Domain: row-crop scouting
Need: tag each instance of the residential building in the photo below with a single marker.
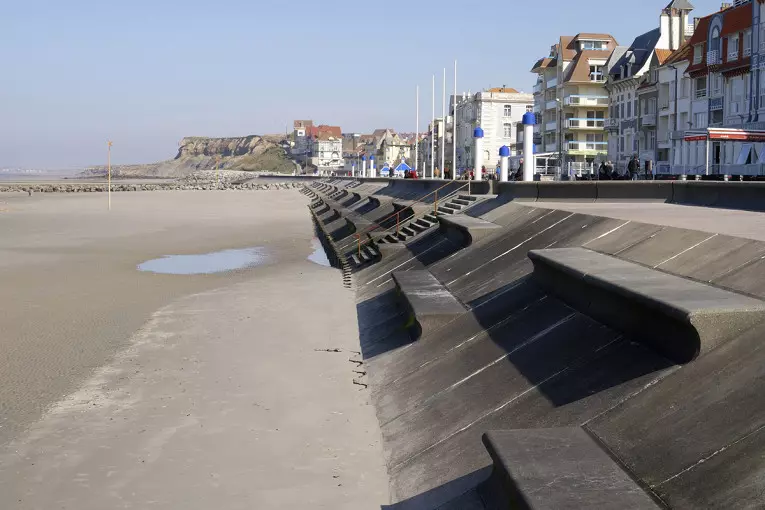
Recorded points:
(570, 99)
(653, 130)
(327, 151)
(726, 135)
(393, 149)
(496, 111)
(627, 74)
(301, 138)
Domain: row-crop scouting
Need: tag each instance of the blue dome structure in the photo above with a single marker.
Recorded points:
(363, 158)
(478, 132)
(371, 158)
(529, 119)
(504, 151)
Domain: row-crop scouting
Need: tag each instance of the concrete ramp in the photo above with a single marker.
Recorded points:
(679, 318)
(429, 301)
(556, 469)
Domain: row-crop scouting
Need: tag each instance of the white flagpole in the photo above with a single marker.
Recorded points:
(454, 127)
(417, 134)
(443, 125)
(433, 130)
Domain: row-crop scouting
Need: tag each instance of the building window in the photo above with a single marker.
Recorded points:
(508, 130)
(698, 52)
(629, 109)
(621, 144)
(733, 47)
(701, 87)
(651, 142)
(700, 120)
(594, 45)
(596, 73)
(529, 108)
(747, 43)
(508, 110)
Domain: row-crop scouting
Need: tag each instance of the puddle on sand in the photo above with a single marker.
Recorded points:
(319, 256)
(207, 263)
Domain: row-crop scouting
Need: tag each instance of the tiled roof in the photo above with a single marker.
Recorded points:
(580, 68)
(662, 55)
(638, 53)
(735, 19)
(587, 36)
(503, 90)
(683, 53)
(542, 63)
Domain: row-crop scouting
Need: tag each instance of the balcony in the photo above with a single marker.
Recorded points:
(648, 119)
(588, 101)
(551, 147)
(590, 124)
(700, 94)
(713, 58)
(676, 135)
(539, 87)
(747, 52)
(551, 105)
(551, 126)
(689, 29)
(552, 83)
(587, 147)
(732, 55)
(612, 124)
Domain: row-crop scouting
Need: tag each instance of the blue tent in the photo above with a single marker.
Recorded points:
(402, 167)
(385, 171)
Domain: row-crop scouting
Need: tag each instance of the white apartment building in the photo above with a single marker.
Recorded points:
(496, 111)
(627, 72)
(328, 152)
(570, 100)
(674, 110)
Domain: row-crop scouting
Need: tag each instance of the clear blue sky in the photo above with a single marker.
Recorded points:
(147, 73)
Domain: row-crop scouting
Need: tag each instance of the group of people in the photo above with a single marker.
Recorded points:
(607, 172)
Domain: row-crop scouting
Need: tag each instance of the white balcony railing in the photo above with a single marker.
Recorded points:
(539, 87)
(689, 29)
(586, 123)
(551, 126)
(747, 52)
(551, 105)
(576, 100)
(649, 119)
(713, 58)
(732, 55)
(701, 93)
(552, 83)
(588, 146)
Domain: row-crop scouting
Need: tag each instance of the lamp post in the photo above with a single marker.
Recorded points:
(109, 171)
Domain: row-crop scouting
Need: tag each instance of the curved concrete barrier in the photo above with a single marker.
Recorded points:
(679, 318)
(730, 195)
(518, 191)
(650, 191)
(583, 191)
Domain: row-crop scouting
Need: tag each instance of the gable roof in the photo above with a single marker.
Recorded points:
(662, 55)
(637, 54)
(679, 5)
(682, 53)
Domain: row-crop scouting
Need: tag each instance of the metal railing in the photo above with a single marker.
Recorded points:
(376, 226)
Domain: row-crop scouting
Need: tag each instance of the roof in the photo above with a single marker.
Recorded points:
(662, 55)
(588, 36)
(736, 18)
(682, 53)
(542, 63)
(580, 69)
(503, 90)
(679, 5)
(323, 130)
(616, 55)
(637, 54)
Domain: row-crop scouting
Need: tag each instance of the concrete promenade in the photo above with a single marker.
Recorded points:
(123, 389)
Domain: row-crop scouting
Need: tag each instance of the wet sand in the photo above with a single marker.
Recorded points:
(123, 389)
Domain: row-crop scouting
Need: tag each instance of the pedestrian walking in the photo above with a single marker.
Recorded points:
(633, 168)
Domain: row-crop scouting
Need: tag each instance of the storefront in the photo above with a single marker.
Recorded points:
(723, 151)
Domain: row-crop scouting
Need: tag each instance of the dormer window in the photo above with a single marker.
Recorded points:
(733, 47)
(594, 45)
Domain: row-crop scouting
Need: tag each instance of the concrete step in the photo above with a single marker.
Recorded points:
(453, 206)
(460, 201)
(444, 210)
(562, 468)
(431, 218)
(409, 231)
(469, 198)
(365, 255)
(417, 227)
(356, 260)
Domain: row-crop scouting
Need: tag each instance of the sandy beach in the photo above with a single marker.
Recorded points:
(128, 389)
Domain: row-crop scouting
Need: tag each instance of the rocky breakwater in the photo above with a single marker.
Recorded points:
(165, 186)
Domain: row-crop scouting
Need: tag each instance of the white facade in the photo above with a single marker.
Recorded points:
(497, 113)
(674, 113)
(328, 153)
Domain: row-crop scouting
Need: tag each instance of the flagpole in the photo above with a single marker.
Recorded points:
(417, 134)
(433, 131)
(443, 125)
(454, 127)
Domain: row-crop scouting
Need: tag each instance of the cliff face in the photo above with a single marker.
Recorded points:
(248, 153)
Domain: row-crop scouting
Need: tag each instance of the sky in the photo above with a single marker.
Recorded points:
(147, 73)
